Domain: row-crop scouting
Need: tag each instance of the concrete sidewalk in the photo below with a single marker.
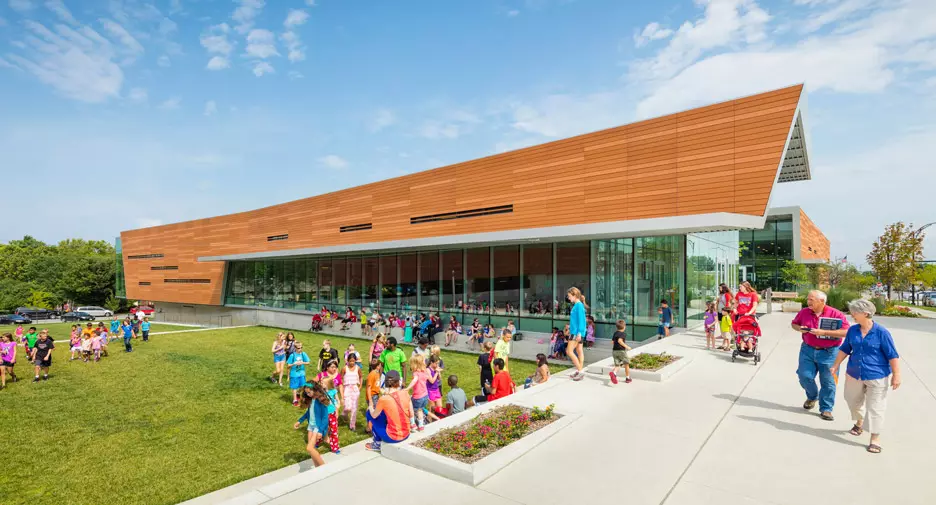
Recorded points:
(716, 432)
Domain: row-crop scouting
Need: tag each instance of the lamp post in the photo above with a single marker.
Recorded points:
(913, 261)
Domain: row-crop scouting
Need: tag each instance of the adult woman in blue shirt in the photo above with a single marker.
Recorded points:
(873, 366)
(576, 332)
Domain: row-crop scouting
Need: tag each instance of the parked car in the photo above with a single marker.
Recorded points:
(930, 301)
(36, 313)
(76, 316)
(147, 310)
(15, 319)
(95, 311)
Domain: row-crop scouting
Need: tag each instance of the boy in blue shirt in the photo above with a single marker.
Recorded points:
(114, 328)
(666, 319)
(297, 374)
(144, 327)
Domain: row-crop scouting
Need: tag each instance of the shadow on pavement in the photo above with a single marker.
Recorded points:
(831, 435)
(764, 404)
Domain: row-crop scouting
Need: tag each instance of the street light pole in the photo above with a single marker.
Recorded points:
(913, 261)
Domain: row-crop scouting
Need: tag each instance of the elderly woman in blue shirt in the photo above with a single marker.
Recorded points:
(873, 368)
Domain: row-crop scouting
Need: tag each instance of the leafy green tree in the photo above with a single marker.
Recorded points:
(795, 274)
(41, 299)
(894, 254)
(928, 276)
(13, 294)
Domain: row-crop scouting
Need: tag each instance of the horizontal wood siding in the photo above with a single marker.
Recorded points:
(719, 158)
(813, 243)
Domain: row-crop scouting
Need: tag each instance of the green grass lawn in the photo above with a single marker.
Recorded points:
(61, 331)
(183, 415)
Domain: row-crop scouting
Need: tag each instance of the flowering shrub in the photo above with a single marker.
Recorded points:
(498, 428)
(898, 311)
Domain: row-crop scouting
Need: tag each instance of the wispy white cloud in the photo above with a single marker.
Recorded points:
(138, 95)
(653, 31)
(3, 21)
(128, 45)
(164, 61)
(262, 68)
(311, 3)
(79, 64)
(147, 222)
(434, 129)
(215, 41)
(296, 51)
(296, 17)
(58, 7)
(382, 118)
(333, 161)
(294, 74)
(211, 108)
(218, 63)
(22, 5)
(512, 13)
(175, 6)
(260, 44)
(167, 26)
(6, 64)
(246, 13)
(172, 103)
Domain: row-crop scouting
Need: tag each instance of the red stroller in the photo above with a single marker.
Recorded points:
(746, 331)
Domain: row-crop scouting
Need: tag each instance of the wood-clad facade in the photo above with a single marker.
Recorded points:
(723, 158)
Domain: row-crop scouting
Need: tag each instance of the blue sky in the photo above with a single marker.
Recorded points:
(125, 113)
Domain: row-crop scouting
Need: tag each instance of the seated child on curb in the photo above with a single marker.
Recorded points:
(456, 401)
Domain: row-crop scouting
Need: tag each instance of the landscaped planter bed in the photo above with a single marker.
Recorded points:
(654, 367)
(652, 362)
(474, 465)
(489, 432)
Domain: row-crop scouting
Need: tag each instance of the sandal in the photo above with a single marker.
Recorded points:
(856, 430)
(875, 449)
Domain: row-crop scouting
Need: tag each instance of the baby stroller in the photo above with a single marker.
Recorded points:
(316, 323)
(746, 328)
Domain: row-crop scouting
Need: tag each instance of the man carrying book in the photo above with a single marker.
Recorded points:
(823, 329)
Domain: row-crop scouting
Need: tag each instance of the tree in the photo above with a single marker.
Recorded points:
(928, 276)
(894, 254)
(794, 273)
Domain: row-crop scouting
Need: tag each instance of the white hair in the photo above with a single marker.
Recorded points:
(818, 294)
(862, 306)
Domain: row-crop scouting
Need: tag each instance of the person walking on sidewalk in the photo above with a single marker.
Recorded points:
(818, 352)
(575, 349)
(873, 366)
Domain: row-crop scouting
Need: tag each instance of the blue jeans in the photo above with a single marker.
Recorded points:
(127, 346)
(811, 362)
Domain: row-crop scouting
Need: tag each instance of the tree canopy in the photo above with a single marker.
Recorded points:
(894, 256)
(36, 274)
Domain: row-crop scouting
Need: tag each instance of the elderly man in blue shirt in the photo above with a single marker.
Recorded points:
(873, 367)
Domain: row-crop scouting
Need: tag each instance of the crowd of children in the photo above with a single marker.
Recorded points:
(87, 344)
(334, 394)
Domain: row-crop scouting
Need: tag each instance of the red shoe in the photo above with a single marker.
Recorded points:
(295, 403)
(613, 378)
(628, 380)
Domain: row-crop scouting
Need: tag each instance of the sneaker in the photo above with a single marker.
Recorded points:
(575, 375)
(372, 446)
(295, 403)
(36, 379)
(613, 378)
(628, 380)
(578, 377)
(45, 377)
(420, 428)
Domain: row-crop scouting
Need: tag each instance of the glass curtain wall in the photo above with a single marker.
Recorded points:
(711, 259)
(120, 283)
(763, 253)
(621, 279)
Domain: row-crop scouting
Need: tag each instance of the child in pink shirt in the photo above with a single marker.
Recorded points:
(420, 387)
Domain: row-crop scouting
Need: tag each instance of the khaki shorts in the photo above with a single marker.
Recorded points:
(620, 358)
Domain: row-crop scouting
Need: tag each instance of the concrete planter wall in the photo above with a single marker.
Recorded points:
(475, 473)
(606, 366)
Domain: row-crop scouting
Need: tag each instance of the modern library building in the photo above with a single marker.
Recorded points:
(662, 209)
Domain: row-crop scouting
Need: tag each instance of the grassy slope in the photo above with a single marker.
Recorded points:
(184, 415)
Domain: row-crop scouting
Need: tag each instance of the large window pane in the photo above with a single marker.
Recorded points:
(658, 264)
(453, 282)
(277, 278)
(613, 268)
(506, 295)
(302, 284)
(537, 281)
(260, 282)
(249, 293)
(312, 279)
(408, 282)
(289, 283)
(236, 284)
(355, 281)
(340, 282)
(478, 288)
(429, 281)
(572, 269)
(388, 284)
(325, 282)
(371, 282)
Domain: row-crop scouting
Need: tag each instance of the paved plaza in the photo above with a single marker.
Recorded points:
(716, 432)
